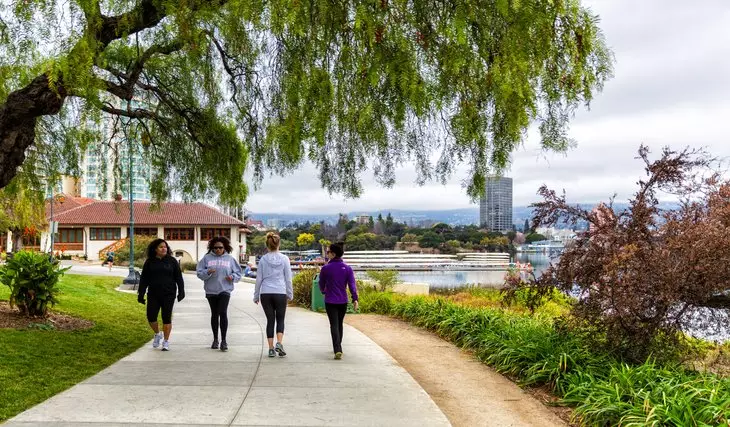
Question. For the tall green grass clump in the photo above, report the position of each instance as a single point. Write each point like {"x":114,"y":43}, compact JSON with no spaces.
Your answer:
{"x":540,"y":351}
{"x":302,"y":284}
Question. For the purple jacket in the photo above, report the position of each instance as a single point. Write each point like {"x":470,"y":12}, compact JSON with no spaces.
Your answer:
{"x":333,"y":281}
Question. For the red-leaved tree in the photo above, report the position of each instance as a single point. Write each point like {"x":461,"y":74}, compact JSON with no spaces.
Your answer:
{"x":645,"y":274}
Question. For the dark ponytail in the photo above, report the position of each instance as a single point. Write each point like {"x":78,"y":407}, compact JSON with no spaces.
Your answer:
{"x":338,"y":249}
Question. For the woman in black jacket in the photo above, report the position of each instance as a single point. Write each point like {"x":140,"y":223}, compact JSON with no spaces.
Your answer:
{"x":161,"y":278}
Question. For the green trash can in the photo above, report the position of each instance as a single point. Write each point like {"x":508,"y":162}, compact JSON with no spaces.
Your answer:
{"x":317,"y":296}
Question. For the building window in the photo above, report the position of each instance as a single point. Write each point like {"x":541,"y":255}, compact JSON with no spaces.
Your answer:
{"x":179,"y":233}
{"x":105,"y":234}
{"x":69,"y":235}
{"x":209,"y":233}
{"x":144,"y":231}
{"x":31,"y":240}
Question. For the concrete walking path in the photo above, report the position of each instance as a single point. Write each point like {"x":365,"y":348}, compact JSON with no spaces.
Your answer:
{"x":195,"y":385}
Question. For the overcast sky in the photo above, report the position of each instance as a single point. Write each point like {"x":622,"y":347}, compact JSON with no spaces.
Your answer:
{"x":671,"y":87}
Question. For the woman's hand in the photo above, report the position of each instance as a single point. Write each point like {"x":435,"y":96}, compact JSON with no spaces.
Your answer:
{"x":355,"y":305}
{"x":211,"y":271}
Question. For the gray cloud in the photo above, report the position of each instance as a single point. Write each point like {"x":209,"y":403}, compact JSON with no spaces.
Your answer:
{"x":666,"y":52}
{"x":672,"y":88}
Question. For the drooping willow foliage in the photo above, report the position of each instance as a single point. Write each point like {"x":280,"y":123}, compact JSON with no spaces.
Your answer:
{"x":211,"y":88}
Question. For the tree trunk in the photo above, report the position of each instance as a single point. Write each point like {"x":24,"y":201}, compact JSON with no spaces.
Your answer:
{"x":17,"y":240}
{"x":721,"y":301}
{"x":18,"y":117}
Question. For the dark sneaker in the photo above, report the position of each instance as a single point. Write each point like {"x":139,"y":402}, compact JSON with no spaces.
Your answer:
{"x":214,"y":345}
{"x":280,"y":349}
{"x":338,"y":355}
{"x":224,"y":346}
{"x":272,"y":353}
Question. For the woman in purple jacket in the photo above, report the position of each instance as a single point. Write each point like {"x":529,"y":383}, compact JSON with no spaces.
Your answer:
{"x":334,"y":279}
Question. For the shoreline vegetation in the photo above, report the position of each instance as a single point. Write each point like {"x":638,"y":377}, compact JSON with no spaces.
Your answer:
{"x":540,"y":350}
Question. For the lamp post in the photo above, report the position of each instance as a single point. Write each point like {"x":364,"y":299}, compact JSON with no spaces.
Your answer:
{"x":53,"y":226}
{"x":53,"y":232}
{"x":133,"y":277}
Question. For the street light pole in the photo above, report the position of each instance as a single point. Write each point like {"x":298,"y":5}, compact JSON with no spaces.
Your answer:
{"x":52,"y":232}
{"x":133,"y":277}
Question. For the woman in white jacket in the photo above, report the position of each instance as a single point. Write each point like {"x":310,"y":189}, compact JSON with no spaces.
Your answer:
{"x":274,"y":290}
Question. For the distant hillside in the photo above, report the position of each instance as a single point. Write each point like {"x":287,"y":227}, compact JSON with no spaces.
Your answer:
{"x":466,"y":216}
{"x":452,"y":216}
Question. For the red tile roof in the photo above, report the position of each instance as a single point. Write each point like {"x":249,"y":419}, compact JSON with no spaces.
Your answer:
{"x":170,"y":213}
{"x":64,"y":203}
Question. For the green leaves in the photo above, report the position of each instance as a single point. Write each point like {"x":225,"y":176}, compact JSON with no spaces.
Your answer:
{"x":32,"y":278}
{"x":386,"y":279}
{"x":602,"y":390}
{"x":302,"y":286}
{"x":345,"y":85}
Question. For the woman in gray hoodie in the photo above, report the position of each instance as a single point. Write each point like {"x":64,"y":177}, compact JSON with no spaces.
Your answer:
{"x":274,"y":289}
{"x":219,"y":271}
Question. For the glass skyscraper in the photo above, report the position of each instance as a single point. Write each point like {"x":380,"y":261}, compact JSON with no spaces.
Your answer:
{"x":495,"y":206}
{"x":99,"y":164}
{"x":99,"y":167}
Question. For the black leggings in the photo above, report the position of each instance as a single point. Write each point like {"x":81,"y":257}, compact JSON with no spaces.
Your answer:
{"x":219,"y":310}
{"x":155,"y":303}
{"x":336,"y":314}
{"x":274,"y":306}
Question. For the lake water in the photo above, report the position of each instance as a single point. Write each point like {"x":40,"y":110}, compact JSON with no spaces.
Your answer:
{"x":540,"y":262}
{"x":455,"y":278}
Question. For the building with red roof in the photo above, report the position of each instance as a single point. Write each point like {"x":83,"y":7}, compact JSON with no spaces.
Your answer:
{"x":87,"y":226}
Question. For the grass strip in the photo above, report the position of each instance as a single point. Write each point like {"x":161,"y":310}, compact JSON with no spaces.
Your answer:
{"x":37,"y":364}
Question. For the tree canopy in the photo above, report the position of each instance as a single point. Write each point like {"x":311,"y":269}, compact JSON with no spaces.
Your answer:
{"x":305,"y":240}
{"x":211,"y":88}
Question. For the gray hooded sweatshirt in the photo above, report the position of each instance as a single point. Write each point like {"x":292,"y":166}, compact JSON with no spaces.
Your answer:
{"x":224,"y":265}
{"x":273,"y":276}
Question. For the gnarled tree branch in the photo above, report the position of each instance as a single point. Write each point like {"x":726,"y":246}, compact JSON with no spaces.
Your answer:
{"x":19,"y":113}
{"x":137,"y":113}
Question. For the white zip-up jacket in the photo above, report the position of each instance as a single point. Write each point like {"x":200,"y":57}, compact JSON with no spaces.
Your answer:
{"x":273,"y":276}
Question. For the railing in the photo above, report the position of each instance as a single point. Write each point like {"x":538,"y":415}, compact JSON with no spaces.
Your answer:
{"x":63,"y":247}
{"x":113,"y":247}
{"x":398,"y":260}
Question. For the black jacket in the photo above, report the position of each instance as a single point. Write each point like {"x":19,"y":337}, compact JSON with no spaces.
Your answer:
{"x":162,"y":277}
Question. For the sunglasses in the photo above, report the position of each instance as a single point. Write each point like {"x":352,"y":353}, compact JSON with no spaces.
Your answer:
{"x":218,"y":247}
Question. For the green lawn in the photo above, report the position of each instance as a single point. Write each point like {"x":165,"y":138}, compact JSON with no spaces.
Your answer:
{"x":36,"y":364}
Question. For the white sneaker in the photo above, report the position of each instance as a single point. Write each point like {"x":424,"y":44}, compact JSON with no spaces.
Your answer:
{"x":156,"y":341}
{"x":166,"y":345}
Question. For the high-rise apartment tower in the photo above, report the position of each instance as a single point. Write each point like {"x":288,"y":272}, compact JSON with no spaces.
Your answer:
{"x":495,"y":206}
